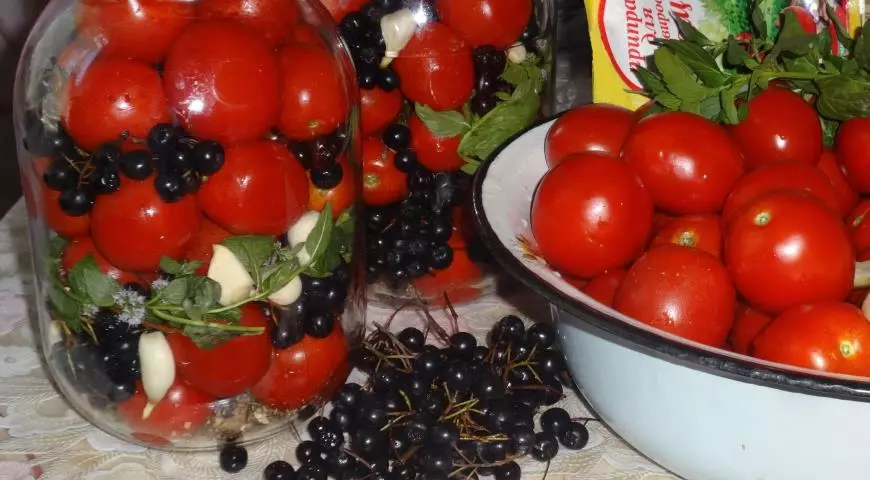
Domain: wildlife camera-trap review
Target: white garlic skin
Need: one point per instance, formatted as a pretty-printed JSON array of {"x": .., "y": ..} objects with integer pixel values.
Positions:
[
  {"x": 397, "y": 29},
  {"x": 517, "y": 53}
]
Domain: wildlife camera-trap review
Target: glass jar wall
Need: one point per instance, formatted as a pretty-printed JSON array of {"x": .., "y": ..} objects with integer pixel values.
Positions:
[
  {"x": 443, "y": 83},
  {"x": 191, "y": 173}
]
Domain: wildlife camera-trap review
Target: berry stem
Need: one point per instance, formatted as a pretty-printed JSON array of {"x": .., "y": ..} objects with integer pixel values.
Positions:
[{"x": 217, "y": 326}]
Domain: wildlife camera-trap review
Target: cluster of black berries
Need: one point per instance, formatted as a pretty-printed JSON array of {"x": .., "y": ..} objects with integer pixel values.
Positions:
[
  {"x": 179, "y": 159},
  {"x": 320, "y": 157},
  {"x": 489, "y": 64},
  {"x": 431, "y": 413},
  {"x": 315, "y": 312},
  {"x": 104, "y": 362}
]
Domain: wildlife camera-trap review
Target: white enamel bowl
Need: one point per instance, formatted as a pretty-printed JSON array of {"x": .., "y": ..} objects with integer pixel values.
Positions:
[{"x": 703, "y": 413}]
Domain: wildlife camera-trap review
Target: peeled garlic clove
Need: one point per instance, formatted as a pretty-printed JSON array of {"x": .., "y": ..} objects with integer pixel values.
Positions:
[
  {"x": 517, "y": 53},
  {"x": 397, "y": 28},
  {"x": 299, "y": 232},
  {"x": 157, "y": 366},
  {"x": 225, "y": 269},
  {"x": 287, "y": 294}
]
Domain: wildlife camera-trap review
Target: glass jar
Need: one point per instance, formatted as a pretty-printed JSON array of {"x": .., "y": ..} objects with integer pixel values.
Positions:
[
  {"x": 443, "y": 83},
  {"x": 191, "y": 174}
]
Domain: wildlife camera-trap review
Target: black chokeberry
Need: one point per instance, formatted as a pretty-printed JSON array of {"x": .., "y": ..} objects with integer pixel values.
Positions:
[
  {"x": 406, "y": 161},
  {"x": 434, "y": 403},
  {"x": 416, "y": 268},
  {"x": 523, "y": 437},
  {"x": 489, "y": 60},
  {"x": 106, "y": 180},
  {"x": 412, "y": 338},
  {"x": 122, "y": 390},
  {"x": 550, "y": 362},
  {"x": 389, "y": 5},
  {"x": 388, "y": 80},
  {"x": 342, "y": 418},
  {"x": 438, "y": 460},
  {"x": 105, "y": 155},
  {"x": 545, "y": 448},
  {"x": 575, "y": 436},
  {"x": 368, "y": 76},
  {"x": 508, "y": 471},
  {"x": 330, "y": 439},
  {"x": 554, "y": 421},
  {"x": 76, "y": 201},
  {"x": 353, "y": 25},
  {"x": 441, "y": 230},
  {"x": 441, "y": 256},
  {"x": 419, "y": 180},
  {"x": 208, "y": 157},
  {"x": 372, "y": 12},
  {"x": 542, "y": 334},
  {"x": 348, "y": 396},
  {"x": 192, "y": 182},
  {"x": 233, "y": 458},
  {"x": 161, "y": 137},
  {"x": 60, "y": 175},
  {"x": 531, "y": 32},
  {"x": 485, "y": 84},
  {"x": 372, "y": 414},
  {"x": 170, "y": 186},
  {"x": 387, "y": 379},
  {"x": 428, "y": 364},
  {"x": 279, "y": 470},
  {"x": 457, "y": 377},
  {"x": 308, "y": 451},
  {"x": 443, "y": 433},
  {"x": 463, "y": 344},
  {"x": 510, "y": 327},
  {"x": 366, "y": 55},
  {"x": 490, "y": 387},
  {"x": 327, "y": 177},
  {"x": 483, "y": 103},
  {"x": 302, "y": 152},
  {"x": 290, "y": 325},
  {"x": 136, "y": 164},
  {"x": 368, "y": 441},
  {"x": 339, "y": 461},
  {"x": 397, "y": 137},
  {"x": 312, "y": 471},
  {"x": 320, "y": 325}
]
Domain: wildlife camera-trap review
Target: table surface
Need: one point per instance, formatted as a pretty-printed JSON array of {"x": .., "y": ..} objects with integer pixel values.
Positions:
[{"x": 41, "y": 437}]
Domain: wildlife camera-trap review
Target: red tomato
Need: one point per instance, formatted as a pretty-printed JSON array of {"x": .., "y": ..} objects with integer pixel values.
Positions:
[
  {"x": 780, "y": 176},
  {"x": 858, "y": 224},
  {"x": 603, "y": 287},
  {"x": 748, "y": 323},
  {"x": 847, "y": 197},
  {"x": 272, "y": 18},
  {"x": 681, "y": 290},
  {"x": 260, "y": 190},
  {"x": 139, "y": 30},
  {"x": 591, "y": 214},
  {"x": 181, "y": 412},
  {"x": 853, "y": 136},
  {"x": 133, "y": 227},
  {"x": 780, "y": 126},
  {"x": 804, "y": 17},
  {"x": 458, "y": 281},
  {"x": 383, "y": 183},
  {"x": 110, "y": 98},
  {"x": 304, "y": 372},
  {"x": 660, "y": 220},
  {"x": 596, "y": 127},
  {"x": 378, "y": 109},
  {"x": 786, "y": 248},
  {"x": 826, "y": 336},
  {"x": 340, "y": 197},
  {"x": 436, "y": 68},
  {"x": 63, "y": 224},
  {"x": 306, "y": 34},
  {"x": 340, "y": 8},
  {"x": 77, "y": 249},
  {"x": 702, "y": 231},
  {"x": 438, "y": 154},
  {"x": 314, "y": 96},
  {"x": 208, "y": 370},
  {"x": 464, "y": 232},
  {"x": 221, "y": 80},
  {"x": 201, "y": 247},
  {"x": 687, "y": 163},
  {"x": 486, "y": 22}
]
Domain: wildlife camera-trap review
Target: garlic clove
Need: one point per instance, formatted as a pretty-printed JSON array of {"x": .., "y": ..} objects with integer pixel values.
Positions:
[
  {"x": 517, "y": 53},
  {"x": 225, "y": 269},
  {"x": 287, "y": 294},
  {"x": 397, "y": 28},
  {"x": 55, "y": 335},
  {"x": 157, "y": 366},
  {"x": 299, "y": 232}
]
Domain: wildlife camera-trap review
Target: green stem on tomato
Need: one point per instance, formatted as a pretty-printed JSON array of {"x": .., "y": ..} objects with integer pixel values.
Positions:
[{"x": 217, "y": 326}]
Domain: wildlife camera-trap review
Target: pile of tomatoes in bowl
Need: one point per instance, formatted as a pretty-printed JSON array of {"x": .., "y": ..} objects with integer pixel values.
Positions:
[
  {"x": 748, "y": 237},
  {"x": 442, "y": 84},
  {"x": 191, "y": 178}
]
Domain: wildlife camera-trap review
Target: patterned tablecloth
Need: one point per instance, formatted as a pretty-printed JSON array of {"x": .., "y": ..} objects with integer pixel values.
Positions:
[{"x": 41, "y": 437}]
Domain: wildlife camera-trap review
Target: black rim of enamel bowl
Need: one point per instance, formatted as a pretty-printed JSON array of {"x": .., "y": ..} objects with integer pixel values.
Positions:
[{"x": 616, "y": 330}]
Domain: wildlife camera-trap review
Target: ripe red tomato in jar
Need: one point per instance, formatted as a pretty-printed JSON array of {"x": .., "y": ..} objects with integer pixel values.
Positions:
[
  {"x": 436, "y": 68},
  {"x": 464, "y": 232},
  {"x": 596, "y": 127},
  {"x": 315, "y": 97},
  {"x": 687, "y": 163},
  {"x": 304, "y": 371},
  {"x": 201, "y": 248},
  {"x": 681, "y": 290},
  {"x": 847, "y": 197},
  {"x": 77, "y": 249},
  {"x": 779, "y": 126},
  {"x": 378, "y": 108},
  {"x": 221, "y": 80},
  {"x": 340, "y": 197},
  {"x": 702, "y": 231},
  {"x": 142, "y": 30},
  {"x": 383, "y": 183},
  {"x": 787, "y": 248},
  {"x": 780, "y": 176},
  {"x": 207, "y": 369},
  {"x": 486, "y": 22},
  {"x": 603, "y": 287},
  {"x": 748, "y": 323},
  {"x": 272, "y": 18},
  {"x": 306, "y": 34},
  {"x": 112, "y": 97},
  {"x": 458, "y": 281},
  {"x": 827, "y": 336},
  {"x": 260, "y": 190},
  {"x": 438, "y": 154},
  {"x": 133, "y": 227},
  {"x": 858, "y": 224},
  {"x": 181, "y": 412},
  {"x": 853, "y": 136},
  {"x": 340, "y": 8},
  {"x": 590, "y": 214},
  {"x": 660, "y": 221}
]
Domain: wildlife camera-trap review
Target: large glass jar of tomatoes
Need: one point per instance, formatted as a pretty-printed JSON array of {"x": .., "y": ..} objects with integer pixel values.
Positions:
[
  {"x": 191, "y": 173},
  {"x": 443, "y": 83}
]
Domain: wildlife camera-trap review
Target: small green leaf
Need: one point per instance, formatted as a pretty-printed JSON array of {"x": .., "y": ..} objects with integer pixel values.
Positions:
[
  {"x": 471, "y": 166},
  {"x": 829, "y": 131},
  {"x": 861, "y": 52},
  {"x": 175, "y": 292},
  {"x": 679, "y": 78},
  {"x": 194, "y": 312},
  {"x": 285, "y": 254},
  {"x": 319, "y": 237},
  {"x": 208, "y": 338},
  {"x": 56, "y": 246},
  {"x": 280, "y": 274},
  {"x": 759, "y": 25},
  {"x": 843, "y": 97},
  {"x": 652, "y": 83},
  {"x": 86, "y": 280},
  {"x": 728, "y": 98},
  {"x": 252, "y": 250},
  {"x": 206, "y": 292},
  {"x": 735, "y": 54},
  {"x": 697, "y": 59},
  {"x": 76, "y": 276},
  {"x": 792, "y": 38},
  {"x": 170, "y": 266},
  {"x": 690, "y": 33},
  {"x": 65, "y": 306},
  {"x": 668, "y": 101},
  {"x": 442, "y": 124},
  {"x": 233, "y": 315}
]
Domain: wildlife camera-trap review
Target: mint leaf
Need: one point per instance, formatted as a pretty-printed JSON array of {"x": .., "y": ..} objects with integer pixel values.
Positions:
[
  {"x": 679, "y": 78},
  {"x": 690, "y": 33},
  {"x": 792, "y": 38},
  {"x": 206, "y": 292},
  {"x": 280, "y": 274},
  {"x": 442, "y": 124},
  {"x": 174, "y": 292},
  {"x": 86, "y": 280},
  {"x": 829, "y": 131},
  {"x": 861, "y": 51},
  {"x": 652, "y": 83},
  {"x": 208, "y": 338},
  {"x": 728, "y": 97},
  {"x": 842, "y": 34},
  {"x": 843, "y": 97},
  {"x": 56, "y": 246},
  {"x": 252, "y": 250},
  {"x": 193, "y": 312},
  {"x": 67, "y": 307},
  {"x": 699, "y": 60},
  {"x": 735, "y": 54},
  {"x": 233, "y": 315},
  {"x": 179, "y": 269},
  {"x": 318, "y": 239},
  {"x": 759, "y": 25},
  {"x": 471, "y": 166},
  {"x": 668, "y": 100},
  {"x": 76, "y": 276}
]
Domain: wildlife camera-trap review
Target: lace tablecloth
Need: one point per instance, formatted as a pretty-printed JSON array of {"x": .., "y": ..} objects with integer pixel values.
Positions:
[{"x": 40, "y": 437}]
